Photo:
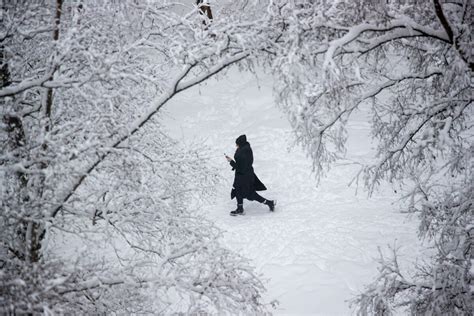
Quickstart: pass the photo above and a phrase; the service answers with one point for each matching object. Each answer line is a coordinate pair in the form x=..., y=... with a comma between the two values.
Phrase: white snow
x=319, y=248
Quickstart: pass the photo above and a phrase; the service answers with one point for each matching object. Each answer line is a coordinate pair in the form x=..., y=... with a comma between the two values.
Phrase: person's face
x=237, y=146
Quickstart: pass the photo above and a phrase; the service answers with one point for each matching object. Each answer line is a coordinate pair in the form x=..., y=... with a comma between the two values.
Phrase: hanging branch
x=177, y=87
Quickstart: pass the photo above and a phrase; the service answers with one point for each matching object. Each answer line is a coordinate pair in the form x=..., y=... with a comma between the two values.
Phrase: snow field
x=319, y=248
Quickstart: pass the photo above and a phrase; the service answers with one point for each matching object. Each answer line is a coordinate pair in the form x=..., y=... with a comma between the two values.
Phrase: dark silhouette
x=246, y=183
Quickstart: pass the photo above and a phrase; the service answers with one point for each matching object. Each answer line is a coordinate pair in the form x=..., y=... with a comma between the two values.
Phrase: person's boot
x=271, y=205
x=238, y=211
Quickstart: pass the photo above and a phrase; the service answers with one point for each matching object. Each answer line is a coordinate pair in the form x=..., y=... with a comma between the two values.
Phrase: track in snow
x=318, y=249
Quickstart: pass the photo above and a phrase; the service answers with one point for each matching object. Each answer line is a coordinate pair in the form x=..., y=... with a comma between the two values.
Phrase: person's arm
x=239, y=163
x=231, y=161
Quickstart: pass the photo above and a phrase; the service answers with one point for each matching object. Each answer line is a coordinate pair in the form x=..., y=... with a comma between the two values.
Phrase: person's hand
x=228, y=158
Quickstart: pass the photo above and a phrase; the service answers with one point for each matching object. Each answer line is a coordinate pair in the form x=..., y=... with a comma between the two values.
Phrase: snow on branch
x=111, y=71
x=26, y=84
x=408, y=28
x=177, y=87
x=412, y=63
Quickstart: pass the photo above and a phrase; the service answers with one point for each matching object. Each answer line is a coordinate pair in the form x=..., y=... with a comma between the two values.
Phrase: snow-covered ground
x=319, y=248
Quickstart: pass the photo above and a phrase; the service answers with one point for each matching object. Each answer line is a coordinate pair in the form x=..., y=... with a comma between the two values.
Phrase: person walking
x=246, y=183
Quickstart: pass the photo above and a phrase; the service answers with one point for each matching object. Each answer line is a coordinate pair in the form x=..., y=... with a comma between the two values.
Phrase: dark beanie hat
x=241, y=140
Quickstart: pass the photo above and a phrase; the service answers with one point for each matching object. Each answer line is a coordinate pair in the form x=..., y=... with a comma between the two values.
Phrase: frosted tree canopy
x=96, y=198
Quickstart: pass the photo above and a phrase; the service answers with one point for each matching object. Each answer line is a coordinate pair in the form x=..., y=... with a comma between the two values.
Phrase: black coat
x=245, y=181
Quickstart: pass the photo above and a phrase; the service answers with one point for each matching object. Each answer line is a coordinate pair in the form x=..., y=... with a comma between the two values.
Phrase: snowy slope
x=318, y=249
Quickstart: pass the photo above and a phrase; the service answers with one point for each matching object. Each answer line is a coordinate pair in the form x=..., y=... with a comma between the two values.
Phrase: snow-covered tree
x=84, y=162
x=95, y=202
x=411, y=64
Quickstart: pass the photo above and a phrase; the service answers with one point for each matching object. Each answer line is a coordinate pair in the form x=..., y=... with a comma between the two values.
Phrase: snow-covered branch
x=177, y=86
x=26, y=84
x=408, y=28
x=84, y=163
x=410, y=63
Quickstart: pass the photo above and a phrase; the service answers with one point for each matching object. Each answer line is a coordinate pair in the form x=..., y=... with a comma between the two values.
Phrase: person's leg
x=257, y=197
x=271, y=204
x=240, y=204
x=240, y=200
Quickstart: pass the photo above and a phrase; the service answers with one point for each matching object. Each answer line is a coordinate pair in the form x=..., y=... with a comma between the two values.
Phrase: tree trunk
x=35, y=232
x=31, y=231
x=49, y=92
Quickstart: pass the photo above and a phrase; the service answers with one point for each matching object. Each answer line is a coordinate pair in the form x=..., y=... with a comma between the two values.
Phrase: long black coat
x=245, y=181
